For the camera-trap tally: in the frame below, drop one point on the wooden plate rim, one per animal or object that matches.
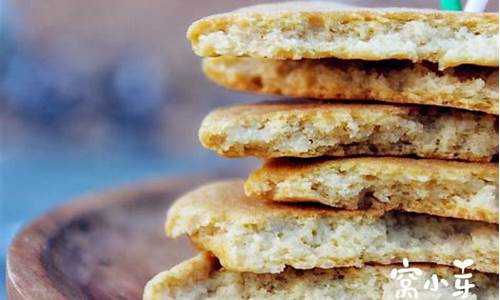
(26, 273)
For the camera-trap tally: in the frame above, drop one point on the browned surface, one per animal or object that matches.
(105, 246)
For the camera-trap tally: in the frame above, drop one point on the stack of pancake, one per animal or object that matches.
(391, 161)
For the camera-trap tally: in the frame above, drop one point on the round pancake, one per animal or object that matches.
(251, 235)
(444, 188)
(397, 81)
(202, 277)
(313, 129)
(297, 30)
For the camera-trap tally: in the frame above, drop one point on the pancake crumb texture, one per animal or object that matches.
(310, 130)
(444, 188)
(321, 30)
(471, 88)
(250, 235)
(369, 283)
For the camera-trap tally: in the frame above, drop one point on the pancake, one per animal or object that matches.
(466, 87)
(297, 30)
(312, 129)
(251, 235)
(444, 188)
(202, 278)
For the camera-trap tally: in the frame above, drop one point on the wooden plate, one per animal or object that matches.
(105, 246)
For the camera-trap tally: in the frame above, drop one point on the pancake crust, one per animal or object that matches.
(296, 30)
(202, 278)
(251, 235)
(312, 129)
(465, 87)
(444, 188)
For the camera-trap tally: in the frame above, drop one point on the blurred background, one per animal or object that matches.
(99, 93)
